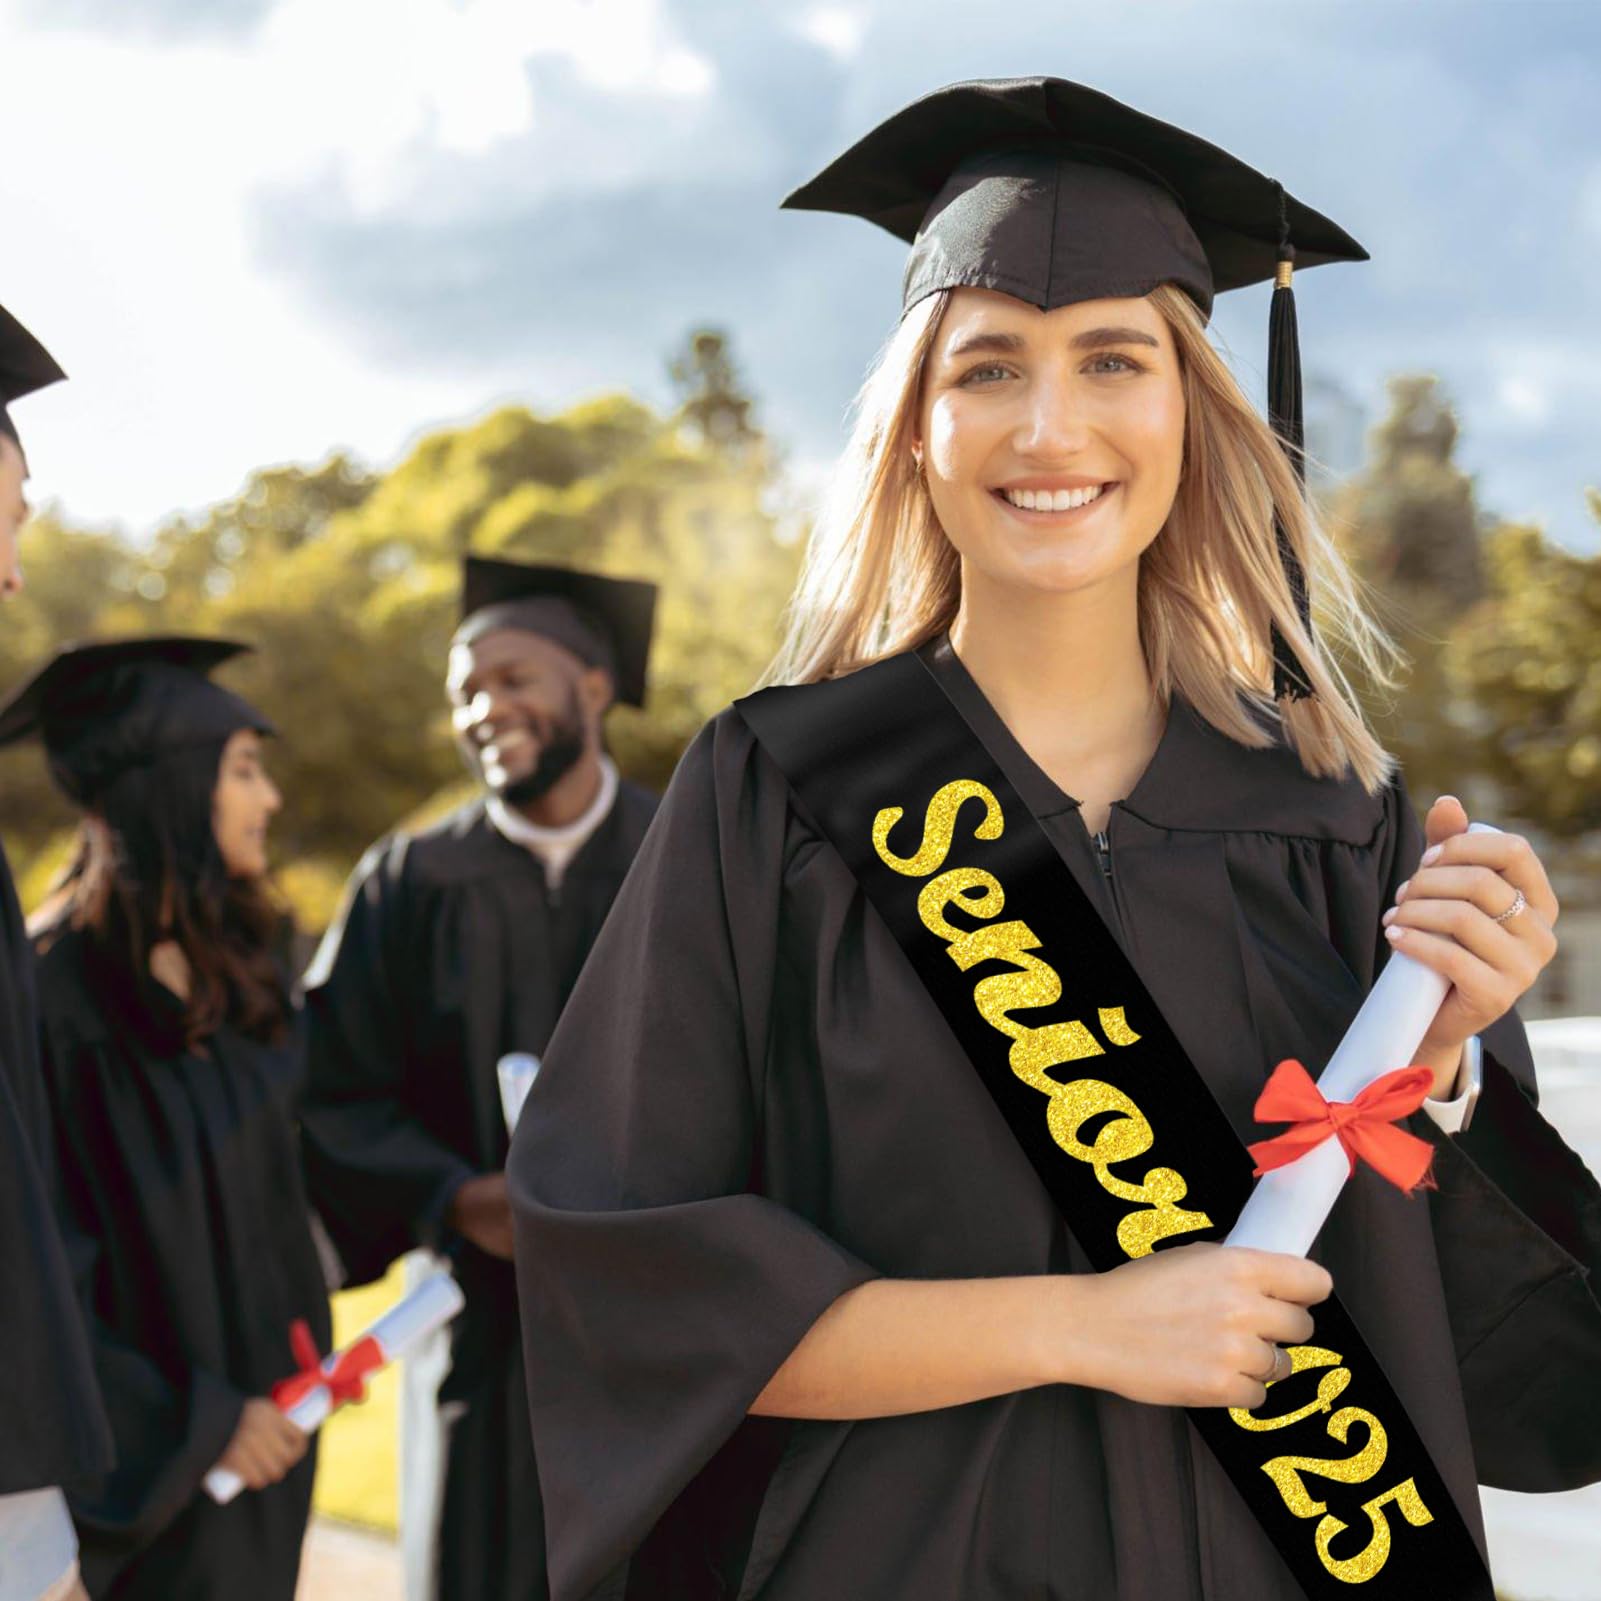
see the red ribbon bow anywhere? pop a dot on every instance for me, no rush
(345, 1377)
(1365, 1127)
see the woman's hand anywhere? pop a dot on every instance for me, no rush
(1444, 917)
(1198, 1325)
(265, 1445)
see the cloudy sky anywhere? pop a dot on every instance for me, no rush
(254, 230)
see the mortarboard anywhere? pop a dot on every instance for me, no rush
(104, 707)
(25, 365)
(1055, 193)
(605, 622)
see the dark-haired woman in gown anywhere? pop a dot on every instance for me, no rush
(173, 1068)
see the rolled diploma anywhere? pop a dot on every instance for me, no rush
(1290, 1204)
(516, 1071)
(410, 1320)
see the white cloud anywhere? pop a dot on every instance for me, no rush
(407, 143)
(1524, 400)
(682, 72)
(373, 83)
(837, 29)
(131, 225)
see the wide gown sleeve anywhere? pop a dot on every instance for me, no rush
(1517, 1225)
(660, 1288)
(170, 1423)
(52, 1428)
(377, 1178)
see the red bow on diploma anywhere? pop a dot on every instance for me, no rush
(346, 1380)
(1365, 1126)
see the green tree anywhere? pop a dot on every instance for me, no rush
(347, 583)
(192, 563)
(712, 401)
(79, 583)
(1410, 525)
(1530, 659)
(1417, 528)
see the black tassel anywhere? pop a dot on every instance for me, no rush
(1284, 414)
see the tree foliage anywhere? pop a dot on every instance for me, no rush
(346, 581)
(1503, 628)
(1529, 659)
(1415, 519)
(1412, 529)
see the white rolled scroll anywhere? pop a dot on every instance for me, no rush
(1290, 1204)
(405, 1325)
(38, 1546)
(516, 1071)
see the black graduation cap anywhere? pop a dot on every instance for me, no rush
(111, 705)
(605, 622)
(1056, 193)
(25, 365)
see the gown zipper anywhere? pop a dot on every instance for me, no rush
(1103, 853)
(1103, 846)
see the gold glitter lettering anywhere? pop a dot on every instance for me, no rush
(1115, 1026)
(1139, 1231)
(951, 889)
(1367, 1562)
(939, 827)
(1286, 1471)
(1330, 1387)
(1121, 1139)
(1125, 1135)
(1036, 1050)
(1033, 983)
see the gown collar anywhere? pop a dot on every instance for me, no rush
(468, 845)
(1199, 779)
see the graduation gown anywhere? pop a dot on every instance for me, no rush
(451, 952)
(54, 1431)
(181, 1176)
(776, 1113)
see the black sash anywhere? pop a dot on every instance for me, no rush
(1115, 1119)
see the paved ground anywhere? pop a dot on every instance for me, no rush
(345, 1564)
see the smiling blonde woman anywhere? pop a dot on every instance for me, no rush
(868, 1202)
(884, 574)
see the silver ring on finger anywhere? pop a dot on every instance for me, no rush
(1281, 1359)
(1518, 903)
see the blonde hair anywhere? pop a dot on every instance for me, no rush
(880, 575)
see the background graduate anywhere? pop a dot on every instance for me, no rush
(52, 1430)
(457, 947)
(800, 1318)
(173, 1066)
